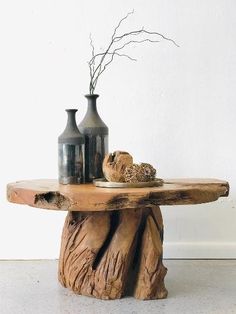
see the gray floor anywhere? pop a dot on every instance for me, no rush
(31, 287)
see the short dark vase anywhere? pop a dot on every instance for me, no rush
(71, 147)
(96, 140)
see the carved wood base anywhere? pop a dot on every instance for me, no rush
(111, 254)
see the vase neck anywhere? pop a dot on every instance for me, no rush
(92, 103)
(71, 121)
(92, 108)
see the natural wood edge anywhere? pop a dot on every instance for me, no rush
(87, 197)
(221, 184)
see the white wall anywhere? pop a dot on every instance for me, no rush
(174, 108)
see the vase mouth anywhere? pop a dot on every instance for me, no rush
(71, 110)
(91, 96)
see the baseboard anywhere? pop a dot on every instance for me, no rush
(200, 250)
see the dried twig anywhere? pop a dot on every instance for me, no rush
(100, 61)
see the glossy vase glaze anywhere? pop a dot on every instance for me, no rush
(95, 132)
(71, 148)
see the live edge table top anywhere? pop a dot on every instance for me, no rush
(49, 194)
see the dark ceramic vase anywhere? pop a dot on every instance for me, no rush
(71, 147)
(96, 140)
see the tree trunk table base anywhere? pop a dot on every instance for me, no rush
(101, 252)
(112, 238)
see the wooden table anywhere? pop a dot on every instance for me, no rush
(112, 238)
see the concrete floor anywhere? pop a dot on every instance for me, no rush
(200, 286)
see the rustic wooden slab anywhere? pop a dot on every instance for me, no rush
(49, 194)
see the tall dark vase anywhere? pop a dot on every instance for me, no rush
(96, 140)
(71, 147)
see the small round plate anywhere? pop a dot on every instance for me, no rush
(103, 183)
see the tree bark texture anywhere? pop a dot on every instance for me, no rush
(102, 253)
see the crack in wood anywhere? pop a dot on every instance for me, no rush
(114, 221)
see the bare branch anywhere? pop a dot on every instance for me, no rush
(110, 53)
(112, 57)
(114, 52)
(137, 42)
(91, 43)
(138, 32)
(91, 65)
(97, 67)
(102, 70)
(124, 18)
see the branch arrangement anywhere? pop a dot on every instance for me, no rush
(100, 61)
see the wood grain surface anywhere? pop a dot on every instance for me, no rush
(49, 194)
(111, 254)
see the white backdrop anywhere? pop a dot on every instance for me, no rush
(174, 108)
